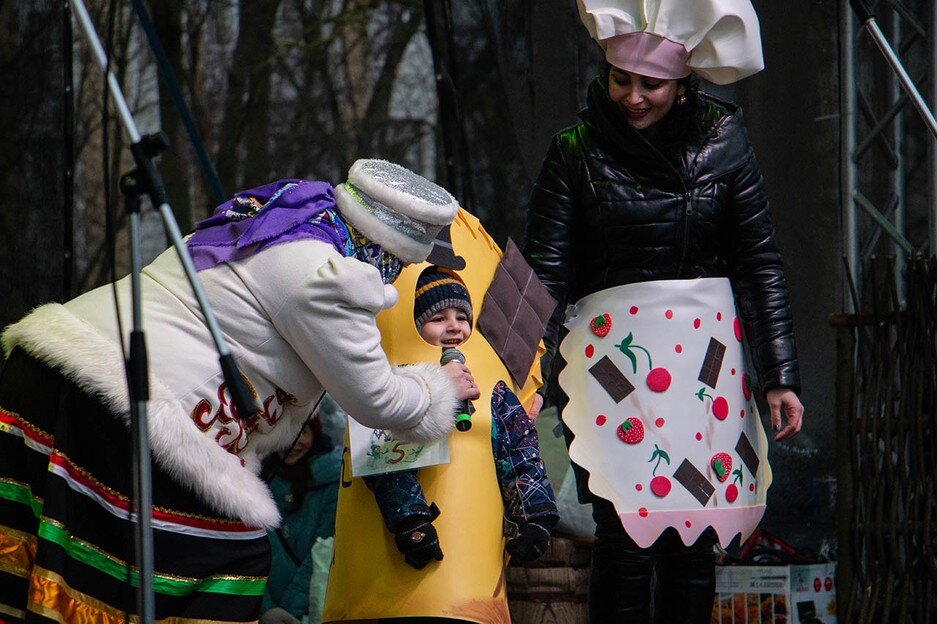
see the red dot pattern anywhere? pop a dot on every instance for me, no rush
(688, 524)
(633, 310)
(659, 422)
(699, 436)
(590, 351)
(669, 314)
(643, 512)
(638, 487)
(600, 420)
(678, 348)
(696, 323)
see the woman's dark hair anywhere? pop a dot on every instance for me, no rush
(299, 474)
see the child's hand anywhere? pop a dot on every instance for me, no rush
(533, 540)
(461, 377)
(417, 541)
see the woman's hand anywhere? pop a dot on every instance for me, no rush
(784, 401)
(466, 389)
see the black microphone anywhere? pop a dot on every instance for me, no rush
(463, 419)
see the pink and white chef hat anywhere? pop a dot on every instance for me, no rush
(719, 40)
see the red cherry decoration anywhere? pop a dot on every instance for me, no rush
(720, 408)
(732, 493)
(660, 485)
(658, 379)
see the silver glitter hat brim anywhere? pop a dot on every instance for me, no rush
(408, 239)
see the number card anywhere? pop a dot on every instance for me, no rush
(375, 451)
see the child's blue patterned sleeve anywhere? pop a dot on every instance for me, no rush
(525, 487)
(399, 496)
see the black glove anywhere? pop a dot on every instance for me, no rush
(417, 541)
(532, 541)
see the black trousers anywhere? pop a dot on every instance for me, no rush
(622, 587)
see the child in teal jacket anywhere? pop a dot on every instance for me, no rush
(305, 487)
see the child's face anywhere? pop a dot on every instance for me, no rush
(302, 446)
(447, 328)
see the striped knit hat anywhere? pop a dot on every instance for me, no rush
(437, 290)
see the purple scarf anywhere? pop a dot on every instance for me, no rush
(278, 212)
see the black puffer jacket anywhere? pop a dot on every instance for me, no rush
(609, 208)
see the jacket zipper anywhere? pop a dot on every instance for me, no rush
(687, 217)
(687, 203)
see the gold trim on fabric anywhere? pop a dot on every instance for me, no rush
(25, 423)
(96, 484)
(17, 551)
(162, 575)
(52, 597)
(17, 613)
(82, 543)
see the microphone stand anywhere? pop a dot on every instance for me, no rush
(145, 179)
(867, 17)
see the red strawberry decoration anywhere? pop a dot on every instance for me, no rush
(732, 492)
(631, 431)
(722, 466)
(658, 379)
(720, 405)
(601, 325)
(660, 485)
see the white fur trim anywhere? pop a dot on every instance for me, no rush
(57, 337)
(390, 296)
(439, 213)
(439, 418)
(397, 243)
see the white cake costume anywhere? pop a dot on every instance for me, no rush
(663, 418)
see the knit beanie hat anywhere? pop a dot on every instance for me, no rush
(437, 290)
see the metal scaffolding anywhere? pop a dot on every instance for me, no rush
(886, 360)
(883, 177)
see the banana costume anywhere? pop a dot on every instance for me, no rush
(369, 579)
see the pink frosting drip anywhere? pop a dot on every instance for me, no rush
(727, 523)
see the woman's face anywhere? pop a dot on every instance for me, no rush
(302, 446)
(643, 100)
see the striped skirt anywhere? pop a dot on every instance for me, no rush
(66, 538)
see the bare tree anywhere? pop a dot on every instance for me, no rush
(33, 161)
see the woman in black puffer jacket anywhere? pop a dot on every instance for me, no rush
(655, 187)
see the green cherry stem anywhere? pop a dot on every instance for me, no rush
(658, 455)
(702, 393)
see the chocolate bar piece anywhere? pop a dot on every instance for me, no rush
(747, 452)
(611, 379)
(515, 312)
(712, 363)
(694, 481)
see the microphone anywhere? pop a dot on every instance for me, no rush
(463, 419)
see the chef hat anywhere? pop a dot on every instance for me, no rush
(717, 39)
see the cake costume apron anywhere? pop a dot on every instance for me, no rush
(663, 418)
